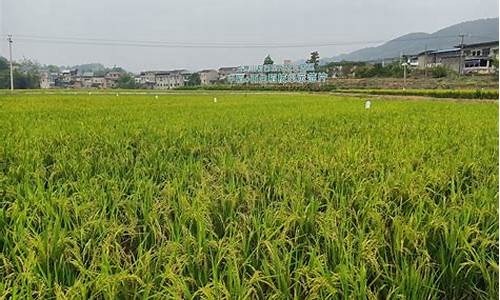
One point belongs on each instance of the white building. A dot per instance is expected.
(168, 80)
(162, 80)
(111, 80)
(48, 80)
(148, 78)
(226, 71)
(208, 77)
(98, 82)
(87, 80)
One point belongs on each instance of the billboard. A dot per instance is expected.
(277, 74)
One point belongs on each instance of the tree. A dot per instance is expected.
(314, 59)
(26, 75)
(52, 69)
(439, 72)
(392, 70)
(4, 63)
(194, 80)
(494, 63)
(29, 66)
(268, 60)
(126, 82)
(26, 80)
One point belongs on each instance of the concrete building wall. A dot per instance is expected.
(208, 77)
(474, 58)
(169, 81)
(449, 62)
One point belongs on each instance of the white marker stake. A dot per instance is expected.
(368, 104)
(215, 100)
(116, 94)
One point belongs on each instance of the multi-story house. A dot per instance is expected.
(465, 59)
(162, 79)
(68, 78)
(87, 80)
(111, 80)
(208, 77)
(479, 57)
(169, 80)
(148, 79)
(49, 80)
(98, 82)
(226, 71)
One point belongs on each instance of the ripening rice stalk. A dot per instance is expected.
(258, 197)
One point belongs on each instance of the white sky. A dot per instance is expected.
(222, 21)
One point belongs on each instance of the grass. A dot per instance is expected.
(473, 82)
(253, 197)
(489, 94)
(433, 93)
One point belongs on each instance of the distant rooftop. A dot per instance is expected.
(228, 68)
(456, 49)
(479, 44)
(450, 50)
(170, 72)
(441, 51)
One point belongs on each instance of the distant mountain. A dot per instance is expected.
(476, 31)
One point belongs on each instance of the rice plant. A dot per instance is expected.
(254, 197)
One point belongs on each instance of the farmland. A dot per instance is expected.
(257, 196)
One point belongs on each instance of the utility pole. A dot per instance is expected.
(404, 64)
(425, 62)
(461, 54)
(404, 75)
(9, 39)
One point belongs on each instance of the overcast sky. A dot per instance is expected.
(218, 21)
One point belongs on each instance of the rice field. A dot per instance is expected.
(257, 196)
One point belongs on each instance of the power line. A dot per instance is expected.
(219, 45)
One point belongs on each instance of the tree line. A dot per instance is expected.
(25, 76)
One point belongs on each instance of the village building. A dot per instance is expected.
(98, 82)
(87, 80)
(478, 58)
(208, 77)
(226, 71)
(148, 79)
(68, 78)
(186, 75)
(138, 79)
(449, 58)
(49, 80)
(466, 59)
(162, 79)
(168, 80)
(111, 80)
